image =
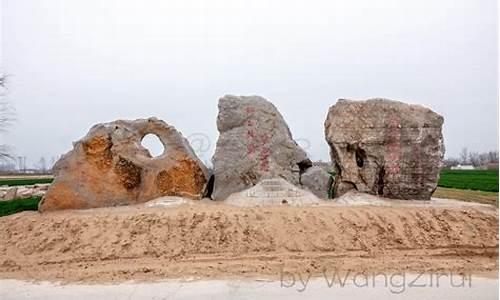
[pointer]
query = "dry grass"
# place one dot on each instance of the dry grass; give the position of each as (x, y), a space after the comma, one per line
(467, 195)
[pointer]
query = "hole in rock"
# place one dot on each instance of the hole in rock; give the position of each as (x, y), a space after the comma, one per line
(360, 157)
(153, 144)
(303, 166)
(210, 186)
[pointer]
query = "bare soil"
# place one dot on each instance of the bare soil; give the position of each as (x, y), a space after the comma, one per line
(467, 195)
(214, 240)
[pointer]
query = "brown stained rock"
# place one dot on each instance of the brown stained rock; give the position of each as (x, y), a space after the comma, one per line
(385, 147)
(110, 167)
(129, 173)
(179, 181)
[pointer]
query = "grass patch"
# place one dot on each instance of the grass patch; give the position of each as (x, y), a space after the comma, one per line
(467, 195)
(479, 180)
(24, 181)
(18, 205)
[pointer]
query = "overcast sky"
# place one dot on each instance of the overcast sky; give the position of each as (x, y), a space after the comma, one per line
(77, 63)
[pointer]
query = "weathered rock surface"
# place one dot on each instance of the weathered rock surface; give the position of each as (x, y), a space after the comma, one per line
(254, 144)
(316, 180)
(110, 167)
(22, 192)
(10, 194)
(385, 147)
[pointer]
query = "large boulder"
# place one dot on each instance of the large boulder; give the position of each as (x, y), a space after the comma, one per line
(110, 167)
(385, 147)
(317, 180)
(254, 144)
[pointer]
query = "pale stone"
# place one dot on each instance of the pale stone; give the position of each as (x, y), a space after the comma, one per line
(11, 194)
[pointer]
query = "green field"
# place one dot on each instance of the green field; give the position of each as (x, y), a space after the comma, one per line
(18, 205)
(479, 180)
(24, 181)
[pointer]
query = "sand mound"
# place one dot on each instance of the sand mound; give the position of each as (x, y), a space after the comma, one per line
(217, 240)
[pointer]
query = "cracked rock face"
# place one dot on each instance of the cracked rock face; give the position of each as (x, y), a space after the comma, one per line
(110, 167)
(254, 144)
(385, 147)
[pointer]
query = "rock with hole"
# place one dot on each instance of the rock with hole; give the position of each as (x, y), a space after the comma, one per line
(110, 167)
(385, 147)
(254, 144)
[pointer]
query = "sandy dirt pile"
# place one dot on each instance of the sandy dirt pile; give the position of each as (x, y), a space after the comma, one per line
(207, 240)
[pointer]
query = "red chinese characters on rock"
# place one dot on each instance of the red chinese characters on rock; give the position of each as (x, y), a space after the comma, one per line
(394, 146)
(257, 144)
(419, 177)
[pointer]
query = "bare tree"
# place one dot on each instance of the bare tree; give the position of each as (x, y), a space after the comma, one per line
(6, 118)
(493, 156)
(475, 159)
(450, 162)
(42, 165)
(464, 156)
(7, 167)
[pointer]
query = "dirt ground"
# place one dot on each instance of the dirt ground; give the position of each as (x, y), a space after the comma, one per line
(206, 240)
(467, 195)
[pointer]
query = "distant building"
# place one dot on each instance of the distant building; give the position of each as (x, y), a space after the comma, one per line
(463, 167)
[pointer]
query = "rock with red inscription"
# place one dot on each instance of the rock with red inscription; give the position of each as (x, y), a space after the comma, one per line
(385, 147)
(110, 167)
(254, 144)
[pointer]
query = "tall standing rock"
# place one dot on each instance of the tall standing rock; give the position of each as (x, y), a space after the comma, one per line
(254, 144)
(385, 147)
(110, 167)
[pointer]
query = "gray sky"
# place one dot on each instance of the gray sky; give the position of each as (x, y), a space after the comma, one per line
(76, 63)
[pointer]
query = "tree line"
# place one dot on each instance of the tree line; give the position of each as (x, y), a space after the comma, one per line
(476, 159)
